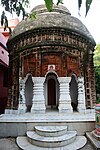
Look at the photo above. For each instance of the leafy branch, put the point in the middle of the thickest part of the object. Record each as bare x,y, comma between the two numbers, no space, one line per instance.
88,4
4,22
18,6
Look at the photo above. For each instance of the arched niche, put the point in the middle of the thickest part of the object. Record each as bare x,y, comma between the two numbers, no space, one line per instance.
74,92
29,92
51,90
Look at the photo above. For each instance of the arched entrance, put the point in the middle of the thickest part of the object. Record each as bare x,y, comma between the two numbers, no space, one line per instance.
51,89
74,92
51,92
29,92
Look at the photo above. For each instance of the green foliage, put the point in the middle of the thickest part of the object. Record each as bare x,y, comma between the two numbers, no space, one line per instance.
49,4
32,15
97,79
60,2
98,100
16,6
97,55
4,22
79,3
97,71
88,4
2,18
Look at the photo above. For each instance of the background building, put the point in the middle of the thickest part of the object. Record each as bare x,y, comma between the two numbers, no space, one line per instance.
4,64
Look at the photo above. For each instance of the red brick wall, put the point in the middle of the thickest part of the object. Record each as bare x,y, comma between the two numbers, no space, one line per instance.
51,59
64,65
72,65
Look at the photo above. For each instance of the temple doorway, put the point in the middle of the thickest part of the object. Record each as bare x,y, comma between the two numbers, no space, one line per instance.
52,91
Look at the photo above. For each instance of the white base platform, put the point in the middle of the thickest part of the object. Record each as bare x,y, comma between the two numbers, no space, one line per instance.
17,125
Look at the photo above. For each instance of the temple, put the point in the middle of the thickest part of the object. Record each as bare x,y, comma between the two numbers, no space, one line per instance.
51,64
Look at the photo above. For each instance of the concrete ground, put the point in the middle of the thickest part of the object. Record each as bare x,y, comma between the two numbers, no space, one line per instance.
10,144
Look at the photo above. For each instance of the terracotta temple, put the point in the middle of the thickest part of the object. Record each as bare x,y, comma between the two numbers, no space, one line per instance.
51,64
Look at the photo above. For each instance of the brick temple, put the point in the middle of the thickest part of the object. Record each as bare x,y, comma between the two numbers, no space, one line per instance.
51,64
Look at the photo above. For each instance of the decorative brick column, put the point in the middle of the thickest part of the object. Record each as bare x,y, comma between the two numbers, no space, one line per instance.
64,100
38,102
22,103
81,95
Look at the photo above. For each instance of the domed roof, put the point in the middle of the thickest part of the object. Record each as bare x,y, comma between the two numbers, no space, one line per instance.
59,17
56,8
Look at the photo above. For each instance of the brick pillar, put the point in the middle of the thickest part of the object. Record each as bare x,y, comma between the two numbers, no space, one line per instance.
38,102
64,100
92,81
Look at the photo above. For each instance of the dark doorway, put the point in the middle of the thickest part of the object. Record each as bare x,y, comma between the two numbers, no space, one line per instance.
51,92
29,93
74,92
3,104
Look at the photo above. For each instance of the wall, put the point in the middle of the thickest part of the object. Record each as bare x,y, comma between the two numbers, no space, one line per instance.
4,63
19,128
3,90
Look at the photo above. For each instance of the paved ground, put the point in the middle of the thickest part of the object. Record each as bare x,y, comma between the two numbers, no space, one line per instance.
88,146
10,144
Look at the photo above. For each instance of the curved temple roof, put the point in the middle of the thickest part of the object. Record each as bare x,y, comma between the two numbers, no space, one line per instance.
59,17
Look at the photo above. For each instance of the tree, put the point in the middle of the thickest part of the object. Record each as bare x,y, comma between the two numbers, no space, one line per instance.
97,79
97,55
49,4
97,71
18,6
4,21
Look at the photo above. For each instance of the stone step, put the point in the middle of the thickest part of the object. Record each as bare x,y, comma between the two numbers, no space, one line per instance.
50,131
43,141
78,143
